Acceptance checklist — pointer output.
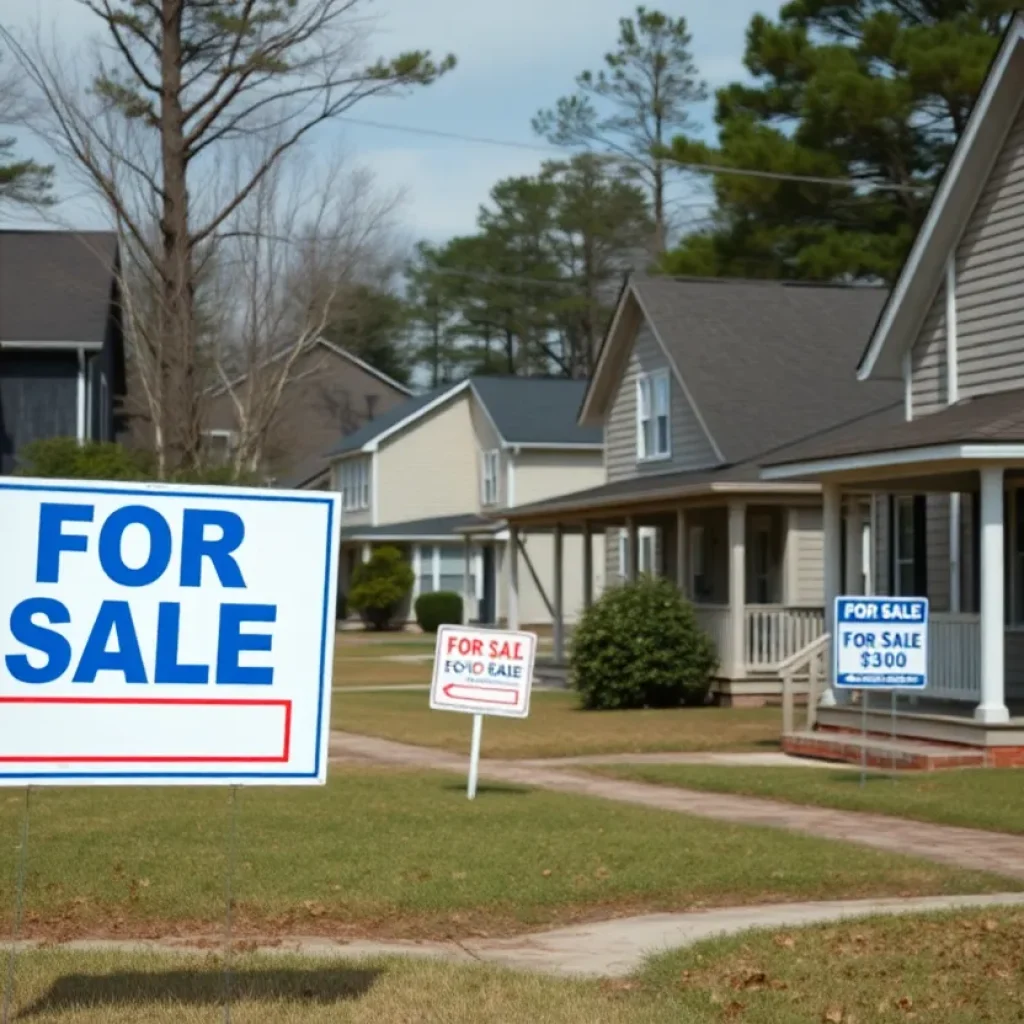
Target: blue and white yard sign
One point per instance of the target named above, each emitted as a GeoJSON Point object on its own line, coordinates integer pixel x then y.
{"type": "Point", "coordinates": [158, 634]}
{"type": "Point", "coordinates": [881, 642]}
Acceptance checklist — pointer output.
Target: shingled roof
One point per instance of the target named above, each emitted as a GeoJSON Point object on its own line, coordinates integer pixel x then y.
{"type": "Point", "coordinates": [56, 286]}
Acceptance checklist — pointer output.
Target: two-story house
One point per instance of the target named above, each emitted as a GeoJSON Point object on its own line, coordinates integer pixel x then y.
{"type": "Point", "coordinates": [62, 367]}
{"type": "Point", "coordinates": [946, 480]}
{"type": "Point", "coordinates": [698, 381]}
{"type": "Point", "coordinates": [428, 474]}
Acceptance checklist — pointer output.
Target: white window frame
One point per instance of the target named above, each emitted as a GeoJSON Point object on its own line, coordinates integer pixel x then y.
{"type": "Point", "coordinates": [227, 435]}
{"type": "Point", "coordinates": [902, 505]}
{"type": "Point", "coordinates": [354, 484]}
{"type": "Point", "coordinates": [653, 406]}
{"type": "Point", "coordinates": [646, 536]}
{"type": "Point", "coordinates": [490, 465]}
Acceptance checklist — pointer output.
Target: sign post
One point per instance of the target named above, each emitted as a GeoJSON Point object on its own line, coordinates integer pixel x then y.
{"type": "Point", "coordinates": [482, 672]}
{"type": "Point", "coordinates": [881, 643]}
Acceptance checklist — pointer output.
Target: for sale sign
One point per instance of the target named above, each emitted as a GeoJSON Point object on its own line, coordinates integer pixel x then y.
{"type": "Point", "coordinates": [881, 643]}
{"type": "Point", "coordinates": [483, 671]}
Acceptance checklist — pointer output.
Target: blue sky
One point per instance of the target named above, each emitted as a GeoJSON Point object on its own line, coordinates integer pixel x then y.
{"type": "Point", "coordinates": [514, 58]}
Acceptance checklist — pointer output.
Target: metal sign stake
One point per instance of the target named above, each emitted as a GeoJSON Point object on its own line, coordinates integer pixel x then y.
{"type": "Point", "coordinates": [863, 736]}
{"type": "Point", "coordinates": [474, 756]}
{"type": "Point", "coordinates": [892, 730]}
{"type": "Point", "coordinates": [19, 905]}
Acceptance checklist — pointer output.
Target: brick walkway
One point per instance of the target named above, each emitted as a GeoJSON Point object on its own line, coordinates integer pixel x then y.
{"type": "Point", "coordinates": [962, 847]}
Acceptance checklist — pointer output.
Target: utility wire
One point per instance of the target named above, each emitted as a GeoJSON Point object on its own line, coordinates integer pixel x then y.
{"type": "Point", "coordinates": [746, 172]}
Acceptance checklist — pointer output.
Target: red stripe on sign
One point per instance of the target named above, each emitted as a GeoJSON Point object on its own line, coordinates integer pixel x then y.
{"type": "Point", "coordinates": [282, 758]}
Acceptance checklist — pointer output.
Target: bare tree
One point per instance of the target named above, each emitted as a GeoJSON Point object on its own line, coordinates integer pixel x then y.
{"type": "Point", "coordinates": [281, 274]}
{"type": "Point", "coordinates": [158, 110]}
{"type": "Point", "coordinates": [21, 181]}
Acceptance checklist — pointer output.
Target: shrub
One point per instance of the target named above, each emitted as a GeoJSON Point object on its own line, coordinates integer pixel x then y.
{"type": "Point", "coordinates": [442, 608]}
{"type": "Point", "coordinates": [379, 586]}
{"type": "Point", "coordinates": [640, 646]}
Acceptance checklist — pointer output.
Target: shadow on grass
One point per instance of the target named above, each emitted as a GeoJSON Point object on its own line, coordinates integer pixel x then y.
{"type": "Point", "coordinates": [487, 789]}
{"type": "Point", "coordinates": [201, 987]}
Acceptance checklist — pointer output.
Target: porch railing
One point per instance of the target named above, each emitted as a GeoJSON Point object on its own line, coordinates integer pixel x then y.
{"type": "Point", "coordinates": [714, 620]}
{"type": "Point", "coordinates": [954, 656]}
{"type": "Point", "coordinates": [774, 633]}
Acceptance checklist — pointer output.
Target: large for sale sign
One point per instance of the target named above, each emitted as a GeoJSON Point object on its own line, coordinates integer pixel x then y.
{"type": "Point", "coordinates": [483, 671]}
{"type": "Point", "coordinates": [165, 634]}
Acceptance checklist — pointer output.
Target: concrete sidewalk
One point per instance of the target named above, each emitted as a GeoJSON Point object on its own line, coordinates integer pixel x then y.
{"type": "Point", "coordinates": [614, 948]}
{"type": "Point", "coordinates": [973, 849]}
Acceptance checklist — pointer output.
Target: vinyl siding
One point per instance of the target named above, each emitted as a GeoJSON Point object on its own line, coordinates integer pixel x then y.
{"type": "Point", "coordinates": [808, 541]}
{"type": "Point", "coordinates": [546, 474]}
{"type": "Point", "coordinates": [989, 282]}
{"type": "Point", "coordinates": [430, 469]}
{"type": "Point", "coordinates": [487, 439]}
{"type": "Point", "coordinates": [937, 522]}
{"type": "Point", "coordinates": [689, 444]}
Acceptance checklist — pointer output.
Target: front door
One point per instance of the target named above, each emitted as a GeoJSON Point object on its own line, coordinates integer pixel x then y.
{"type": "Point", "coordinates": [487, 603]}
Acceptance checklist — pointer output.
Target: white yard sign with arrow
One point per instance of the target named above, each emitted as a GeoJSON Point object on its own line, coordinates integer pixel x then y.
{"type": "Point", "coordinates": [482, 672]}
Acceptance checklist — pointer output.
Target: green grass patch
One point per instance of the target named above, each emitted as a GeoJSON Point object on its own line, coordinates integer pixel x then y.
{"type": "Point", "coordinates": [557, 727]}
{"type": "Point", "coordinates": [985, 798]}
{"type": "Point", "coordinates": [397, 853]}
{"type": "Point", "coordinates": [943, 969]}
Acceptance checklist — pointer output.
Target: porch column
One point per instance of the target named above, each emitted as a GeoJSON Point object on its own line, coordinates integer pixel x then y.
{"type": "Point", "coordinates": [737, 660]}
{"type": "Point", "coordinates": [632, 549]}
{"type": "Point", "coordinates": [854, 582]}
{"type": "Point", "coordinates": [832, 515]}
{"type": "Point", "coordinates": [512, 579]}
{"type": "Point", "coordinates": [588, 565]}
{"type": "Point", "coordinates": [468, 591]}
{"type": "Point", "coordinates": [367, 552]}
{"type": "Point", "coordinates": [992, 707]}
{"type": "Point", "coordinates": [559, 616]}
{"type": "Point", "coordinates": [681, 552]}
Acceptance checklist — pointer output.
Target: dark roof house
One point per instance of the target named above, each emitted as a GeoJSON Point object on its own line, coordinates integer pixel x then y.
{"type": "Point", "coordinates": [62, 360]}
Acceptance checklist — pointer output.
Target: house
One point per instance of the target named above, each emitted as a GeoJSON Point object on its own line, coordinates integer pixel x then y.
{"type": "Point", "coordinates": [697, 383]}
{"type": "Point", "coordinates": [429, 474]}
{"type": "Point", "coordinates": [62, 365]}
{"type": "Point", "coordinates": [330, 392]}
{"type": "Point", "coordinates": [945, 481]}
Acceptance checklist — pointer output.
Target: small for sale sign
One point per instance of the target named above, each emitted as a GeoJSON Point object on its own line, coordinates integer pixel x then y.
{"type": "Point", "coordinates": [483, 671]}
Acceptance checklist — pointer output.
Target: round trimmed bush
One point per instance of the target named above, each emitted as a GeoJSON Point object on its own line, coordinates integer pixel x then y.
{"type": "Point", "coordinates": [441, 608]}
{"type": "Point", "coordinates": [640, 646]}
{"type": "Point", "coordinates": [379, 587]}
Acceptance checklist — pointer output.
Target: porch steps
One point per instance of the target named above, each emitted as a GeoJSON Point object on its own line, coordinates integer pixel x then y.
{"type": "Point", "coordinates": [881, 751]}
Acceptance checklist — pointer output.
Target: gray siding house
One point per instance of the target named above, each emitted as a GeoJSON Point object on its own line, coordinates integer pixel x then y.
{"type": "Point", "coordinates": [62, 367]}
{"type": "Point", "coordinates": [697, 383]}
{"type": "Point", "coordinates": [946, 482]}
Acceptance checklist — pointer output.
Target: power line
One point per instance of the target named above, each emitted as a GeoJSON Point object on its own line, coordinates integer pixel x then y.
{"type": "Point", "coordinates": [747, 172]}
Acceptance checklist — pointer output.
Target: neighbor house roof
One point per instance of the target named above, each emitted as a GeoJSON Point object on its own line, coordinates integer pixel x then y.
{"type": "Point", "coordinates": [975, 423]}
{"type": "Point", "coordinates": [956, 196]}
{"type": "Point", "coordinates": [535, 412]}
{"type": "Point", "coordinates": [763, 363]}
{"type": "Point", "coordinates": [56, 287]}
{"type": "Point", "coordinates": [437, 528]}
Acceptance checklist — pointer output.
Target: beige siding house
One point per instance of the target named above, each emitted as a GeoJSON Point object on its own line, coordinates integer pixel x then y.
{"type": "Point", "coordinates": [434, 474]}
{"type": "Point", "coordinates": [945, 482]}
{"type": "Point", "coordinates": [697, 382]}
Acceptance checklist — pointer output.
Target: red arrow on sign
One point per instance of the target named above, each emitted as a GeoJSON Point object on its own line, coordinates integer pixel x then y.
{"type": "Point", "coordinates": [482, 694]}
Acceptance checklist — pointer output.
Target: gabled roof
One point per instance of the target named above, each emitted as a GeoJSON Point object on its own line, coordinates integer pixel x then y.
{"type": "Point", "coordinates": [764, 363]}
{"type": "Point", "coordinates": [56, 287]}
{"type": "Point", "coordinates": [955, 198]}
{"type": "Point", "coordinates": [437, 528]}
{"type": "Point", "coordinates": [537, 412]}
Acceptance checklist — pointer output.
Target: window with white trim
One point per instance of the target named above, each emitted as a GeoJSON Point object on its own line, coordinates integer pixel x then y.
{"type": "Point", "coordinates": [489, 478]}
{"type": "Point", "coordinates": [653, 434]}
{"type": "Point", "coordinates": [354, 481]}
{"type": "Point", "coordinates": [903, 556]}
{"type": "Point", "coordinates": [647, 542]}
{"type": "Point", "coordinates": [218, 446]}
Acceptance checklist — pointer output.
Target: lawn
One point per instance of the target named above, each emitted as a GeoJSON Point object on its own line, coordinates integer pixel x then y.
{"type": "Point", "coordinates": [954, 970]}
{"type": "Point", "coordinates": [396, 853]}
{"type": "Point", "coordinates": [557, 728]}
{"type": "Point", "coordinates": [985, 798]}
{"type": "Point", "coordinates": [379, 672]}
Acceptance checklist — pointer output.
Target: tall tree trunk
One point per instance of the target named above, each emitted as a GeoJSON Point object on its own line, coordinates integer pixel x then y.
{"type": "Point", "coordinates": [181, 413]}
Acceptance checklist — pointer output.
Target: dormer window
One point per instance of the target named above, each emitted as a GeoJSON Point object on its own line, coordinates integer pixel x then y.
{"type": "Point", "coordinates": [653, 439]}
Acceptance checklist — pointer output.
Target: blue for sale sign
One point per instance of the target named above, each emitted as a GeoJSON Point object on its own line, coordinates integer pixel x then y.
{"type": "Point", "coordinates": [881, 643]}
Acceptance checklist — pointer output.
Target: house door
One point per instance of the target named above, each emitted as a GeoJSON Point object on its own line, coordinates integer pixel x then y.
{"type": "Point", "coordinates": [488, 601]}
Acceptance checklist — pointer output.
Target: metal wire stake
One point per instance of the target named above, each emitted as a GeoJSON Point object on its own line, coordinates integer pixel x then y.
{"type": "Point", "coordinates": [228, 900]}
{"type": "Point", "coordinates": [19, 905]}
{"type": "Point", "coordinates": [863, 736]}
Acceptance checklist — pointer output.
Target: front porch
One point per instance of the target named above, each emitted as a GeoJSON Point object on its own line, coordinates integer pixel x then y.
{"type": "Point", "coordinates": [750, 565]}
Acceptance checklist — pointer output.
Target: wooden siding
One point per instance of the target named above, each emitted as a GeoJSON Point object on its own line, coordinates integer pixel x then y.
{"type": "Point", "coordinates": [989, 284]}
{"type": "Point", "coordinates": [689, 444]}
{"type": "Point", "coordinates": [808, 542]}
{"type": "Point", "coordinates": [38, 400]}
